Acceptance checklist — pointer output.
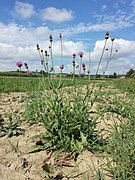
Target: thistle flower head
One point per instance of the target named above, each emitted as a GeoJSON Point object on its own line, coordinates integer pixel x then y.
{"type": "Point", "coordinates": [74, 55]}
{"type": "Point", "coordinates": [83, 65]}
{"type": "Point", "coordinates": [38, 47]}
{"type": "Point", "coordinates": [26, 65]}
{"type": "Point", "coordinates": [116, 50]}
{"type": "Point", "coordinates": [107, 35]}
{"type": "Point", "coordinates": [41, 50]}
{"type": "Point", "coordinates": [29, 72]}
{"type": "Point", "coordinates": [112, 39]}
{"type": "Point", "coordinates": [60, 35]}
{"type": "Point", "coordinates": [42, 62]}
{"type": "Point", "coordinates": [81, 74]}
{"type": "Point", "coordinates": [62, 67]}
{"type": "Point", "coordinates": [81, 54]}
{"type": "Point", "coordinates": [50, 37]}
{"type": "Point", "coordinates": [88, 71]}
{"type": "Point", "coordinates": [73, 62]}
{"type": "Point", "coordinates": [19, 64]}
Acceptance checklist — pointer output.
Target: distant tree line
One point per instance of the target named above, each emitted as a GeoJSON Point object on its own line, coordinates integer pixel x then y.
{"type": "Point", "coordinates": [130, 73]}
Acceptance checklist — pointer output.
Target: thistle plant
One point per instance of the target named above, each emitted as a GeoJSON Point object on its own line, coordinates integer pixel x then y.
{"type": "Point", "coordinates": [27, 68]}
{"type": "Point", "coordinates": [81, 56]}
{"type": "Point", "coordinates": [73, 64]}
{"type": "Point", "coordinates": [106, 38]}
{"type": "Point", "coordinates": [111, 56]}
{"type": "Point", "coordinates": [67, 120]}
{"type": "Point", "coordinates": [89, 66]}
{"type": "Point", "coordinates": [51, 53]}
{"type": "Point", "coordinates": [61, 49]}
{"type": "Point", "coordinates": [84, 68]}
{"type": "Point", "coordinates": [19, 64]}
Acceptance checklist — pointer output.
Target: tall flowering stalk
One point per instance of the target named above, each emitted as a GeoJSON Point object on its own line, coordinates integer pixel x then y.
{"type": "Point", "coordinates": [27, 68]}
{"type": "Point", "coordinates": [89, 66]}
{"type": "Point", "coordinates": [106, 38]}
{"type": "Point", "coordinates": [73, 63]}
{"type": "Point", "coordinates": [50, 47]}
{"type": "Point", "coordinates": [111, 56]}
{"type": "Point", "coordinates": [84, 68]}
{"type": "Point", "coordinates": [61, 49]}
{"type": "Point", "coordinates": [41, 57]}
{"type": "Point", "coordinates": [46, 60]}
{"type": "Point", "coordinates": [81, 56]}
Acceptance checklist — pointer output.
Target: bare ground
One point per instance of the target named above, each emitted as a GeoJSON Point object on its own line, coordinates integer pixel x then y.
{"type": "Point", "coordinates": [43, 164]}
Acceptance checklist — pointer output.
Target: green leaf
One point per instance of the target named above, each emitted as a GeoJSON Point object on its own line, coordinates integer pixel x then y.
{"type": "Point", "coordinates": [35, 148]}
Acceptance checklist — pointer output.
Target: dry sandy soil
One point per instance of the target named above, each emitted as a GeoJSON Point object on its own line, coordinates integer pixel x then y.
{"type": "Point", "coordinates": [39, 165]}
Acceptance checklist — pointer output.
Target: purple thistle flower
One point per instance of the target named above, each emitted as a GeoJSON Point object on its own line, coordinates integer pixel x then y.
{"type": "Point", "coordinates": [19, 64]}
{"type": "Point", "coordinates": [81, 54]}
{"type": "Point", "coordinates": [73, 62]}
{"type": "Point", "coordinates": [81, 74]}
{"type": "Point", "coordinates": [83, 65]}
{"type": "Point", "coordinates": [29, 72]}
{"type": "Point", "coordinates": [62, 67]}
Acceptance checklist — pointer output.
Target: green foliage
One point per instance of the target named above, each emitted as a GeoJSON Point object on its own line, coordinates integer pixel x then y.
{"type": "Point", "coordinates": [15, 147]}
{"type": "Point", "coordinates": [127, 85]}
{"type": "Point", "coordinates": [10, 127]}
{"type": "Point", "coordinates": [66, 119]}
{"type": "Point", "coordinates": [130, 73]}
{"type": "Point", "coordinates": [121, 142]}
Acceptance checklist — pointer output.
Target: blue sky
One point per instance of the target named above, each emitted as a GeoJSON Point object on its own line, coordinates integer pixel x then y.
{"type": "Point", "coordinates": [82, 23]}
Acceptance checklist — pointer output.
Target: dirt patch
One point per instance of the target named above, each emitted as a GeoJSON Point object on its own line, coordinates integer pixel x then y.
{"type": "Point", "coordinates": [43, 164]}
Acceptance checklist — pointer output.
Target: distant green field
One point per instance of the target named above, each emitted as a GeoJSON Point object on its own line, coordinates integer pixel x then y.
{"type": "Point", "coordinates": [24, 84]}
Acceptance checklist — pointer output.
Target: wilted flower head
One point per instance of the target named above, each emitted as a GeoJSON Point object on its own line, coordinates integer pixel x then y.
{"type": "Point", "coordinates": [19, 64]}
{"type": "Point", "coordinates": [116, 50]}
{"type": "Point", "coordinates": [38, 47]}
{"type": "Point", "coordinates": [60, 36]}
{"type": "Point", "coordinates": [26, 65]}
{"type": "Point", "coordinates": [50, 37]}
{"type": "Point", "coordinates": [81, 54]}
{"type": "Point", "coordinates": [42, 62]}
{"type": "Point", "coordinates": [73, 62]}
{"type": "Point", "coordinates": [88, 71]}
{"type": "Point", "coordinates": [41, 50]}
{"type": "Point", "coordinates": [62, 67]}
{"type": "Point", "coordinates": [29, 72]}
{"type": "Point", "coordinates": [107, 35]}
{"type": "Point", "coordinates": [74, 55]}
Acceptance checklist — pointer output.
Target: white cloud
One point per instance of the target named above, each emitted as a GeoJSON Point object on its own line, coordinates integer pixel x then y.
{"type": "Point", "coordinates": [57, 15]}
{"type": "Point", "coordinates": [18, 44]}
{"type": "Point", "coordinates": [122, 60]}
{"type": "Point", "coordinates": [23, 10]}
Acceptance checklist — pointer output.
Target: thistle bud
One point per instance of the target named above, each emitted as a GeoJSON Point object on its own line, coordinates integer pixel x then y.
{"type": "Point", "coordinates": [38, 47]}
{"type": "Point", "coordinates": [60, 36]}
